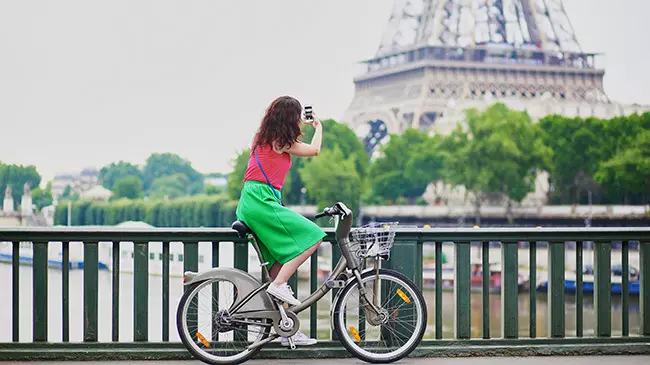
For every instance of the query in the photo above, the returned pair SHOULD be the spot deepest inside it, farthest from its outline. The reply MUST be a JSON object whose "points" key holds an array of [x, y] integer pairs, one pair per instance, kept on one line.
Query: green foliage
{"points": [[588, 147], [42, 197], [335, 135], [129, 187], [409, 162], [164, 174], [16, 176], [66, 192], [195, 211], [111, 174], [332, 178], [214, 190], [236, 178], [576, 147], [168, 164], [629, 169], [500, 152], [172, 186]]}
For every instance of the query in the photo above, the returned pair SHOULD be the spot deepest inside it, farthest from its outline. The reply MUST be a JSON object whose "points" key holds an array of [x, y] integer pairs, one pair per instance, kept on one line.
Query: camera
{"points": [[308, 113]]}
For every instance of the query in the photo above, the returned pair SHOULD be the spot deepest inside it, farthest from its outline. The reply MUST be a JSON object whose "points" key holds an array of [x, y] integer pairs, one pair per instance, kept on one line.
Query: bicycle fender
{"points": [[243, 281]]}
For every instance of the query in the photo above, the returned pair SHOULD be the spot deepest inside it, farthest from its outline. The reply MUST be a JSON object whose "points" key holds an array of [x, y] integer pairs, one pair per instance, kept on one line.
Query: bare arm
{"points": [[312, 149]]}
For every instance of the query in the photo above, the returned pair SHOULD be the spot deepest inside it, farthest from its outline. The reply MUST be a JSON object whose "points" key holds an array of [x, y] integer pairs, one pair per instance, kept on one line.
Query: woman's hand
{"points": [[315, 122]]}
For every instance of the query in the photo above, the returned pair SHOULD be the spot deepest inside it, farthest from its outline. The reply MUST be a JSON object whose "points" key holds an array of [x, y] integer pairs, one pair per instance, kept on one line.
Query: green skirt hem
{"points": [[282, 233]]}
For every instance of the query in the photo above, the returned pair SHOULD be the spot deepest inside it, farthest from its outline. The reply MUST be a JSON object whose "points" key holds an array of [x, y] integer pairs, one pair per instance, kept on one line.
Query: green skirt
{"points": [[282, 233]]}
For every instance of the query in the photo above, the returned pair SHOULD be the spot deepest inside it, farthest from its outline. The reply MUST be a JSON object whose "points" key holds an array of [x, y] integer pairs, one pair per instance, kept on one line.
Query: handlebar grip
{"points": [[320, 215]]}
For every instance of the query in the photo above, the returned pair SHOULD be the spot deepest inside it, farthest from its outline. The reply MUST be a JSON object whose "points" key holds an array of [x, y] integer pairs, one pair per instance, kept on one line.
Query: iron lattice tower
{"points": [[439, 57]]}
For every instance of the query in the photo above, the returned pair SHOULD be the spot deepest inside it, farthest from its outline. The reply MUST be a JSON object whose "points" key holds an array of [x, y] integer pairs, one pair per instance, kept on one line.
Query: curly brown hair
{"points": [[280, 126]]}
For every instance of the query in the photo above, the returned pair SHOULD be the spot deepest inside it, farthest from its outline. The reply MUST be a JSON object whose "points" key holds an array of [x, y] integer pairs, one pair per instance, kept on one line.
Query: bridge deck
{"points": [[543, 360]]}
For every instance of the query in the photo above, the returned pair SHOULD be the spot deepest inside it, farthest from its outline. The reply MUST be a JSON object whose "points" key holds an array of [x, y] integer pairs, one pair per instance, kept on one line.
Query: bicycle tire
{"points": [[340, 327], [186, 341]]}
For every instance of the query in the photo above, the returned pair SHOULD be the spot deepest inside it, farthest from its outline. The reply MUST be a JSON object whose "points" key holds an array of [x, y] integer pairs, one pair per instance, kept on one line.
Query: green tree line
{"points": [[196, 211], [162, 175]]}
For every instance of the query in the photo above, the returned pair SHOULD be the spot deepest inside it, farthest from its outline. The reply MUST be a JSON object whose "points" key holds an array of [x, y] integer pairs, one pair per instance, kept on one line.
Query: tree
{"points": [[335, 135], [629, 169], [110, 174], [424, 166], [331, 178], [168, 164], [616, 147], [129, 187], [172, 186], [42, 197], [16, 176], [236, 178], [214, 190], [408, 163], [500, 154], [66, 192], [575, 144]]}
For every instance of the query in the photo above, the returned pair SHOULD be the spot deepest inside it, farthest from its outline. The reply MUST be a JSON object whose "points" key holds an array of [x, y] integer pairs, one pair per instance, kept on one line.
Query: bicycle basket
{"points": [[373, 239]]}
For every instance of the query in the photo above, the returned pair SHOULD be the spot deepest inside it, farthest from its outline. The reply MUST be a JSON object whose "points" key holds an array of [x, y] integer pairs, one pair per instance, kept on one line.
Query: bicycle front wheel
{"points": [[395, 331]]}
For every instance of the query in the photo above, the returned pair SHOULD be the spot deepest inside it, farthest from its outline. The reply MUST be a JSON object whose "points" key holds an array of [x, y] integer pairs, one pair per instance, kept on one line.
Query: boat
{"points": [[55, 255], [588, 280], [476, 277]]}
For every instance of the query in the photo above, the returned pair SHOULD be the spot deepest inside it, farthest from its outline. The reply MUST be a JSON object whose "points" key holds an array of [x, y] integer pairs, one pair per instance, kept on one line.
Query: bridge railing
{"points": [[534, 264]]}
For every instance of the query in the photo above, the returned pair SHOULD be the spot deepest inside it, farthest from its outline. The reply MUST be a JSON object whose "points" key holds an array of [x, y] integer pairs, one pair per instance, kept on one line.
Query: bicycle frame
{"points": [[263, 306], [347, 261]]}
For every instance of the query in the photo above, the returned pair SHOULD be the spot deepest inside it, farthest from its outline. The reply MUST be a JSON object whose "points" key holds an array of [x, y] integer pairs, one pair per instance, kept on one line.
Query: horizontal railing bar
{"points": [[337, 344], [507, 235]]}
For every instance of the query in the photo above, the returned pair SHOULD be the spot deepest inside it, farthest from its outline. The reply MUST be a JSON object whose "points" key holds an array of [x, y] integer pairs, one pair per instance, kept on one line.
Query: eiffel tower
{"points": [[440, 57]]}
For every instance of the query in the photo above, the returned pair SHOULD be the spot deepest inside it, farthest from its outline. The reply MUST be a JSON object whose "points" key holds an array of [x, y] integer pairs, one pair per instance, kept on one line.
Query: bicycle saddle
{"points": [[241, 228]]}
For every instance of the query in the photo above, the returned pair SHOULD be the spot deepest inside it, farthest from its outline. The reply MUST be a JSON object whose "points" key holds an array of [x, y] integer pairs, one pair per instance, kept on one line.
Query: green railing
{"points": [[563, 251]]}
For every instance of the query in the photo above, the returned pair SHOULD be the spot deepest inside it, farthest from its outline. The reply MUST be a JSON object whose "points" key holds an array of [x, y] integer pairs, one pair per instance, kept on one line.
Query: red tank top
{"points": [[275, 165]]}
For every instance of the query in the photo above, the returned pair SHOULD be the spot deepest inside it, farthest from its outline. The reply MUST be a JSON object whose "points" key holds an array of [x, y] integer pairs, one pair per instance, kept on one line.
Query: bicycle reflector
{"points": [[403, 296], [355, 333], [203, 340]]}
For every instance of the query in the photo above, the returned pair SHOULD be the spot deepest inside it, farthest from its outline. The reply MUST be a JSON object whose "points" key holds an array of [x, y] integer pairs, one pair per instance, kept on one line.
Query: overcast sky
{"points": [[84, 83]]}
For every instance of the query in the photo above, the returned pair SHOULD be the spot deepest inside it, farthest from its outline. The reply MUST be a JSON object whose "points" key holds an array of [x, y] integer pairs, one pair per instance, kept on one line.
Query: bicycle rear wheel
{"points": [[392, 335], [205, 327]]}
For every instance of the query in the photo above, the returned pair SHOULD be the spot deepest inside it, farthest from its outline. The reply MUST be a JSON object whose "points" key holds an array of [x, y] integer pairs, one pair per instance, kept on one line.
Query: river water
{"points": [[155, 309]]}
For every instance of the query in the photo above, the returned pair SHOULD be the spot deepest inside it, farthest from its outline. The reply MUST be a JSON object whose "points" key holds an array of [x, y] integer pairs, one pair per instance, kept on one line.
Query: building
{"points": [[438, 58], [98, 193], [28, 215], [78, 182]]}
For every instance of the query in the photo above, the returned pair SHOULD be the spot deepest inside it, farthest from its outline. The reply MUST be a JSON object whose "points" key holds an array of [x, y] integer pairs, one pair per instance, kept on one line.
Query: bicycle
{"points": [[251, 306]]}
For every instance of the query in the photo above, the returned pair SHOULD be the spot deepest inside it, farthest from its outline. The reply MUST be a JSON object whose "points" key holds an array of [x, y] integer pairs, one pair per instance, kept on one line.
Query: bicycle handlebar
{"points": [[320, 215], [328, 211], [338, 209]]}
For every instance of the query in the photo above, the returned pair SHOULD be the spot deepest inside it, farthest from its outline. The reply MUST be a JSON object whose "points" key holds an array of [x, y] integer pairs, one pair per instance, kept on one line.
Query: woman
{"points": [[286, 238]]}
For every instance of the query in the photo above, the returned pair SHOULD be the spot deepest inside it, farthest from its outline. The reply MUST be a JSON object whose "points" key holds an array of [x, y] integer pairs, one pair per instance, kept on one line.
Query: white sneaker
{"points": [[282, 292], [299, 339]]}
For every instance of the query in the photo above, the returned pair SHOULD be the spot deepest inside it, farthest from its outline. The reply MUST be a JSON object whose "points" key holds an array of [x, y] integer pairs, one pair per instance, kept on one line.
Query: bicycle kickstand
{"points": [[292, 344]]}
